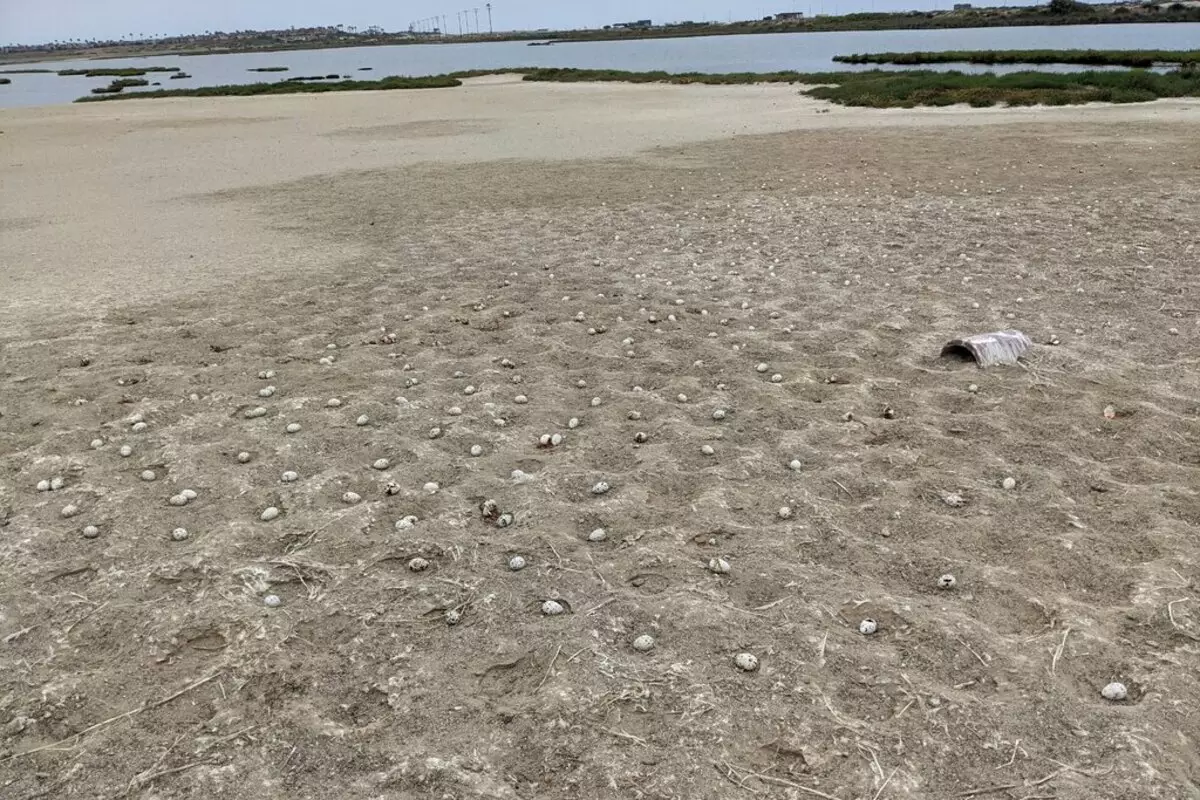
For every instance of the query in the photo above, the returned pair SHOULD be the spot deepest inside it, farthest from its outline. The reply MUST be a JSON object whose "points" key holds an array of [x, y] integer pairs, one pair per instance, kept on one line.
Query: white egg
{"points": [[138, 427], [517, 563], [947, 581], [148, 475], [126, 451], [573, 423], [255, 413], [269, 514], [596, 402], [785, 512], [435, 433], [266, 391], [1009, 483], [556, 440], [708, 450], [91, 532], [431, 487], [362, 421], [178, 500], [97, 444], [289, 477], [762, 368], [719, 414], [43, 486], [470, 390], [272, 601], [418, 564], [643, 643], [350, 498], [598, 535], [795, 465], [552, 608], [333, 402], [243, 457], [777, 378], [683, 398], [406, 523], [180, 534], [520, 399], [381, 464], [601, 488], [868, 627], [293, 427], [719, 566], [746, 662], [1115, 692], [266, 375], [69, 510]]}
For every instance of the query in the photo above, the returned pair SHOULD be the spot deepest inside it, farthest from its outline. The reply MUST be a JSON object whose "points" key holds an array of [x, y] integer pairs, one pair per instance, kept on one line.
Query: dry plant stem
{"points": [[781, 782]]}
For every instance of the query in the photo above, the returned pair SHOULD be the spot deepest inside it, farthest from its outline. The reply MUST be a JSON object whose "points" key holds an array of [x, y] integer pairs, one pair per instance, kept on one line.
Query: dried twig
{"points": [[990, 789], [110, 720], [885, 783], [782, 782], [549, 669], [972, 651], [1171, 615], [623, 735], [1059, 651], [71, 627]]}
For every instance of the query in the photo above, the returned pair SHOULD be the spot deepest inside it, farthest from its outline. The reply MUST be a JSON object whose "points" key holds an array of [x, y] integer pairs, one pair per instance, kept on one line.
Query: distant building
{"points": [[789, 15], [639, 24], [962, 6]]}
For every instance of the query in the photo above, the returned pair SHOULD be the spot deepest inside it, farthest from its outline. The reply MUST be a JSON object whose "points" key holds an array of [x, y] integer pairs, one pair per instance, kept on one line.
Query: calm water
{"points": [[806, 52]]}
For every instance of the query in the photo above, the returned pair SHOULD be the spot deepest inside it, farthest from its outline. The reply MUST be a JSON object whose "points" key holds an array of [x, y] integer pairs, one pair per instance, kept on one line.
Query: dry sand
{"points": [[634, 244]]}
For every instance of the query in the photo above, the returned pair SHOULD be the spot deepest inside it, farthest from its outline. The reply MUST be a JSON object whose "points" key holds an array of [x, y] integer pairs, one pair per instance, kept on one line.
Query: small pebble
{"points": [[362, 421], [947, 581], [868, 627], [643, 643], [381, 464], [794, 465], [476, 450], [1115, 692], [43, 486], [148, 475], [601, 488], [180, 534], [243, 457], [746, 662], [126, 451], [708, 450], [293, 427], [1009, 483], [719, 414], [598, 535], [272, 601], [350, 498], [91, 532], [69, 511], [406, 523], [418, 564], [516, 563], [269, 514], [762, 368], [504, 520], [552, 608], [435, 433], [289, 477]]}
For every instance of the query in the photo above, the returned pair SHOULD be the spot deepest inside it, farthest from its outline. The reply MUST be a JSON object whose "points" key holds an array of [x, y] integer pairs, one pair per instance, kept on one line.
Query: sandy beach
{"points": [[726, 304]]}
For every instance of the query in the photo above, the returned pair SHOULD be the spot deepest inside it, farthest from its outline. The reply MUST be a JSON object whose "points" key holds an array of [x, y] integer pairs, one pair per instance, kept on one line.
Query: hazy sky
{"points": [[30, 21]]}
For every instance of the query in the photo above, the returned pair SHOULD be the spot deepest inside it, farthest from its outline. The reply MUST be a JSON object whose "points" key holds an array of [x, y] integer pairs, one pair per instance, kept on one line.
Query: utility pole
{"points": [[491, 30], [460, 23], [477, 21]]}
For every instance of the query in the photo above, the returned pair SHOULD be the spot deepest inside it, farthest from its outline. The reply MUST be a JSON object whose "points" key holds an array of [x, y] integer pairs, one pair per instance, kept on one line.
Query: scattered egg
{"points": [[573, 423], [708, 450], [69, 510], [719, 566], [266, 391], [178, 500], [777, 378], [552, 608], [91, 532], [255, 413], [266, 375], [381, 464], [470, 390], [333, 402], [683, 398], [868, 626], [126, 451], [180, 534], [138, 427], [601, 488], [289, 477], [598, 535], [97, 444], [406, 523], [1009, 483], [762, 368], [269, 514], [293, 428], [556, 440], [643, 643], [148, 475], [746, 662], [362, 421], [431, 487], [43, 486], [517, 563], [435, 433], [640, 437], [794, 465], [418, 564], [350, 498], [520, 399], [596, 402], [785, 512], [947, 581], [243, 457], [272, 601], [719, 414]]}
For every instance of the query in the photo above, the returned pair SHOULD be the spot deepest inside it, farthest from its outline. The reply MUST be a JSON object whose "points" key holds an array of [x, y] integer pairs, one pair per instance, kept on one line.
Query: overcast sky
{"points": [[31, 21]]}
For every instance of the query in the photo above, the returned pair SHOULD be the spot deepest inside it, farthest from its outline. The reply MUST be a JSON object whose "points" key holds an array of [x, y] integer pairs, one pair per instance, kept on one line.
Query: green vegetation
{"points": [[268, 69], [1095, 58], [873, 89], [119, 84], [332, 77], [25, 71], [116, 72], [291, 87], [4, 81], [178, 76]]}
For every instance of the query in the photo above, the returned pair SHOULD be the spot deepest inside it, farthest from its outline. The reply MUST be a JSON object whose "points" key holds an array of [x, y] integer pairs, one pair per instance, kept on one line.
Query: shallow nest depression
{"points": [[137, 665]]}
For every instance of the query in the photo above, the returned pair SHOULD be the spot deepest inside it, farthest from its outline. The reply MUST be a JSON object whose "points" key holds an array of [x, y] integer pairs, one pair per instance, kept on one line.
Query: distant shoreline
{"points": [[976, 18]]}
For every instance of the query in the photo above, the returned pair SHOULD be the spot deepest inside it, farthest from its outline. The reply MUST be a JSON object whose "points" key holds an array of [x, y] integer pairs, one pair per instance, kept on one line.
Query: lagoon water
{"points": [[806, 52]]}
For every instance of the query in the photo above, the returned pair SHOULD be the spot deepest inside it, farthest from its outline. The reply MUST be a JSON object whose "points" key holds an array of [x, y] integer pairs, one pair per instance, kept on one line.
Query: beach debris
{"points": [[272, 601], [746, 662], [91, 532], [180, 535], [989, 349], [516, 563], [719, 566], [947, 582], [552, 608], [868, 627], [644, 643], [1115, 692]]}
